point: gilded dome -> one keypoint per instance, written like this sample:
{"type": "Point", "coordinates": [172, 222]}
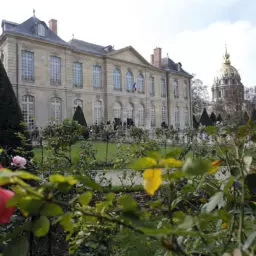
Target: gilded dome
{"type": "Point", "coordinates": [227, 71]}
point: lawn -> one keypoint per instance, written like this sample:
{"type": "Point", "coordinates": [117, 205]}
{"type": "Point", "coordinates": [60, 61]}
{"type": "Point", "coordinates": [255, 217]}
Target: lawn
{"type": "Point", "coordinates": [100, 148]}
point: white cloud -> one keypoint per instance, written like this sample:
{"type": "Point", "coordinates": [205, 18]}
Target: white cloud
{"type": "Point", "coordinates": [201, 51]}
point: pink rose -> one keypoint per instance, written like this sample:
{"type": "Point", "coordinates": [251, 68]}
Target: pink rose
{"type": "Point", "coordinates": [19, 161]}
{"type": "Point", "coordinates": [1, 167]}
{"type": "Point", "coordinates": [5, 212]}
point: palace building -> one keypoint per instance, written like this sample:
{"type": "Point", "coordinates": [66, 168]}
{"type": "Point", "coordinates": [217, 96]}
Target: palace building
{"type": "Point", "coordinates": [51, 77]}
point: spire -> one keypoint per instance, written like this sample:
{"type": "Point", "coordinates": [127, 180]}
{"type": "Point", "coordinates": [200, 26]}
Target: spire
{"type": "Point", "coordinates": [226, 56]}
{"type": "Point", "coordinates": [34, 12]}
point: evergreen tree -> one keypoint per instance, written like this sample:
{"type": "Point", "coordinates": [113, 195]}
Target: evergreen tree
{"type": "Point", "coordinates": [219, 118]}
{"type": "Point", "coordinates": [79, 117]}
{"type": "Point", "coordinates": [205, 119]}
{"type": "Point", "coordinates": [213, 118]}
{"type": "Point", "coordinates": [253, 118]}
{"type": "Point", "coordinates": [195, 123]}
{"type": "Point", "coordinates": [13, 134]}
{"type": "Point", "coordinates": [245, 118]}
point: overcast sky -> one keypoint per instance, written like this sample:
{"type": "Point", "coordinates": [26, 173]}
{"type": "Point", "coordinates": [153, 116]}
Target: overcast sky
{"type": "Point", "coordinates": [192, 32]}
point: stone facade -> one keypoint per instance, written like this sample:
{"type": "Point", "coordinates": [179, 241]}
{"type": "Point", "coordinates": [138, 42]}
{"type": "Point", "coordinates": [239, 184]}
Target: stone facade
{"type": "Point", "coordinates": [142, 105]}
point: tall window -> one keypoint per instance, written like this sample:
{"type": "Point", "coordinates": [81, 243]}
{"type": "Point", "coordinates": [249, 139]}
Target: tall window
{"type": "Point", "coordinates": [77, 74]}
{"type": "Point", "coordinates": [140, 83]}
{"type": "Point", "coordinates": [129, 81]}
{"type": "Point", "coordinates": [130, 111]}
{"type": "Point", "coordinates": [117, 79]}
{"type": "Point", "coordinates": [153, 115]}
{"type": "Point", "coordinates": [98, 116]}
{"type": "Point", "coordinates": [164, 113]}
{"type": "Point", "coordinates": [163, 88]}
{"type": "Point", "coordinates": [96, 76]}
{"type": "Point", "coordinates": [186, 115]}
{"type": "Point", "coordinates": [185, 90]}
{"type": "Point", "coordinates": [117, 110]}
{"type": "Point", "coordinates": [41, 30]}
{"type": "Point", "coordinates": [176, 89]}
{"type": "Point", "coordinates": [27, 59]}
{"type": "Point", "coordinates": [78, 102]}
{"type": "Point", "coordinates": [55, 70]}
{"type": "Point", "coordinates": [177, 116]}
{"type": "Point", "coordinates": [151, 86]}
{"type": "Point", "coordinates": [28, 111]}
{"type": "Point", "coordinates": [56, 109]}
{"type": "Point", "coordinates": [141, 115]}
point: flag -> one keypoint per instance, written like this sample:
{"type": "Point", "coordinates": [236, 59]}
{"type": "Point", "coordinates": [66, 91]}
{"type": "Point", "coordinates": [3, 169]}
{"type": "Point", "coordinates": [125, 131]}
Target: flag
{"type": "Point", "coordinates": [134, 87]}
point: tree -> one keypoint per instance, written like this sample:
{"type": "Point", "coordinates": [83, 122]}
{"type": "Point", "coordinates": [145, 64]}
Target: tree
{"type": "Point", "coordinates": [253, 118]}
{"type": "Point", "coordinates": [213, 118]}
{"type": "Point", "coordinates": [205, 119]}
{"type": "Point", "coordinates": [13, 132]}
{"type": "Point", "coordinates": [219, 118]}
{"type": "Point", "coordinates": [195, 123]}
{"type": "Point", "coordinates": [245, 118]}
{"type": "Point", "coordinates": [200, 96]}
{"type": "Point", "coordinates": [79, 117]}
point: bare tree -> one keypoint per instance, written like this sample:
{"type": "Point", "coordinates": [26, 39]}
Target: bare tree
{"type": "Point", "coordinates": [200, 96]}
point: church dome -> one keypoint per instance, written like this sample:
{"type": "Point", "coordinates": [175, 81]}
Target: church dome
{"type": "Point", "coordinates": [227, 71]}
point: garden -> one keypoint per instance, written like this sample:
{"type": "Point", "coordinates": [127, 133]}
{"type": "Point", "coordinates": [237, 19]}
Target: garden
{"type": "Point", "coordinates": [189, 193]}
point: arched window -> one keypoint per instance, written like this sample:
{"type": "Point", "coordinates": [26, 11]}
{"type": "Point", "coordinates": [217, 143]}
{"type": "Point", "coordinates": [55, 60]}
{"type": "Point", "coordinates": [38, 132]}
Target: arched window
{"type": "Point", "coordinates": [129, 81]}
{"type": "Point", "coordinates": [186, 116]}
{"type": "Point", "coordinates": [153, 115]}
{"type": "Point", "coordinates": [164, 113]}
{"type": "Point", "coordinates": [96, 76]}
{"type": "Point", "coordinates": [117, 110]}
{"type": "Point", "coordinates": [130, 111]}
{"type": "Point", "coordinates": [177, 116]}
{"type": "Point", "coordinates": [98, 112]}
{"type": "Point", "coordinates": [117, 79]}
{"type": "Point", "coordinates": [163, 88]}
{"type": "Point", "coordinates": [176, 88]}
{"type": "Point", "coordinates": [78, 102]}
{"type": "Point", "coordinates": [140, 83]}
{"type": "Point", "coordinates": [151, 86]}
{"type": "Point", "coordinates": [56, 109]}
{"type": "Point", "coordinates": [141, 115]}
{"type": "Point", "coordinates": [28, 111]}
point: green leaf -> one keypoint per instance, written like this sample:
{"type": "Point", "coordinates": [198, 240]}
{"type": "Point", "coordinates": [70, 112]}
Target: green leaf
{"type": "Point", "coordinates": [30, 205]}
{"type": "Point", "coordinates": [216, 200]}
{"type": "Point", "coordinates": [17, 247]}
{"type": "Point", "coordinates": [110, 196]}
{"type": "Point", "coordinates": [127, 203]}
{"type": "Point", "coordinates": [51, 209]}
{"type": "Point", "coordinates": [56, 178]}
{"type": "Point", "coordinates": [85, 198]}
{"type": "Point", "coordinates": [154, 155]}
{"type": "Point", "coordinates": [143, 163]}
{"type": "Point", "coordinates": [229, 184]}
{"type": "Point", "coordinates": [187, 224]}
{"type": "Point", "coordinates": [88, 182]}
{"type": "Point", "coordinates": [26, 175]}
{"type": "Point", "coordinates": [174, 153]}
{"type": "Point", "coordinates": [41, 226]}
{"type": "Point", "coordinates": [196, 167]}
{"type": "Point", "coordinates": [66, 222]}
{"type": "Point", "coordinates": [211, 130]}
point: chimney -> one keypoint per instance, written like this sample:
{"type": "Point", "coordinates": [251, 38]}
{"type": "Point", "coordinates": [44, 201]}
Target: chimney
{"type": "Point", "coordinates": [157, 57]}
{"type": "Point", "coordinates": [152, 59]}
{"type": "Point", "coordinates": [53, 26]}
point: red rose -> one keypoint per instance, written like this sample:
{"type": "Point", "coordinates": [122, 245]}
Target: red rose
{"type": "Point", "coordinates": [5, 213]}
{"type": "Point", "coordinates": [1, 167]}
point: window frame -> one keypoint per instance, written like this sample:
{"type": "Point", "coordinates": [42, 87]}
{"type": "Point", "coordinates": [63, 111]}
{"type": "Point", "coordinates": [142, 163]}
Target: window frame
{"type": "Point", "coordinates": [28, 110]}
{"type": "Point", "coordinates": [41, 30]}
{"type": "Point", "coordinates": [140, 83]}
{"type": "Point", "coordinates": [57, 116]}
{"type": "Point", "coordinates": [27, 66]}
{"type": "Point", "coordinates": [97, 76]}
{"type": "Point", "coordinates": [117, 79]}
{"type": "Point", "coordinates": [129, 81]}
{"type": "Point", "coordinates": [151, 86]}
{"type": "Point", "coordinates": [77, 83]}
{"type": "Point", "coordinates": [163, 88]}
{"type": "Point", "coordinates": [55, 70]}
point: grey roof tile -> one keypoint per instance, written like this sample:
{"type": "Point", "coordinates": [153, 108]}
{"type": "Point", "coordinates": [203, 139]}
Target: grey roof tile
{"type": "Point", "coordinates": [169, 64]}
{"type": "Point", "coordinates": [89, 47]}
{"type": "Point", "coordinates": [29, 28]}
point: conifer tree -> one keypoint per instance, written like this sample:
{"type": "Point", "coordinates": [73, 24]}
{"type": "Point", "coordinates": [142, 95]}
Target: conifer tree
{"type": "Point", "coordinates": [219, 118]}
{"type": "Point", "coordinates": [79, 117]}
{"type": "Point", "coordinates": [205, 119]}
{"type": "Point", "coordinates": [13, 134]}
{"type": "Point", "coordinates": [213, 118]}
{"type": "Point", "coordinates": [253, 118]}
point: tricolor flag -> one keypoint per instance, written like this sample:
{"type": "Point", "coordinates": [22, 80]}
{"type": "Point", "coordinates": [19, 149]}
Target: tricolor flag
{"type": "Point", "coordinates": [134, 87]}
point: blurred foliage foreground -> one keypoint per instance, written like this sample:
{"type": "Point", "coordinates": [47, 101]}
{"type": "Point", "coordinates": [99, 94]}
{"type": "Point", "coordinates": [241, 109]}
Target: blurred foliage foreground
{"type": "Point", "coordinates": [200, 206]}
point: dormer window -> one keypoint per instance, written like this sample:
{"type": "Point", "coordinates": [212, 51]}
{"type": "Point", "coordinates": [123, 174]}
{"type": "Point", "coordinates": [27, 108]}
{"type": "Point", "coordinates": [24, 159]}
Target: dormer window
{"type": "Point", "coordinates": [41, 30]}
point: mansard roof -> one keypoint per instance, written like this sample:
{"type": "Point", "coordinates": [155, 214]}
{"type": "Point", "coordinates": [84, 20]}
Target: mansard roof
{"type": "Point", "coordinates": [29, 28]}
